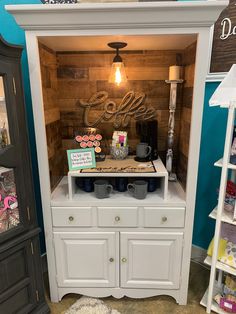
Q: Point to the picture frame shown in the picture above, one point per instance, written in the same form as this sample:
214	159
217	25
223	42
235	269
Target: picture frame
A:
81	159
222	48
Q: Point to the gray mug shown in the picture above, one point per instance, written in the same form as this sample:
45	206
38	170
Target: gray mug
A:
102	188
138	189
143	150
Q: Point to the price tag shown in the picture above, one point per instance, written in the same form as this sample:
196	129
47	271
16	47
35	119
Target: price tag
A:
81	159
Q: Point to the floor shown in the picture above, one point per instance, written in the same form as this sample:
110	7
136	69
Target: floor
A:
157	305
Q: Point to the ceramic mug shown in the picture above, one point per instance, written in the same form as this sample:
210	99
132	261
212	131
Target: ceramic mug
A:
138	189
152	184
143	150
88	184
102	188
121	184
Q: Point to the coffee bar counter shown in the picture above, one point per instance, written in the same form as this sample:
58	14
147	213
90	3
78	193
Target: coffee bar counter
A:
118	245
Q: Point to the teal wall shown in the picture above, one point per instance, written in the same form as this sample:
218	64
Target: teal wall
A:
214	121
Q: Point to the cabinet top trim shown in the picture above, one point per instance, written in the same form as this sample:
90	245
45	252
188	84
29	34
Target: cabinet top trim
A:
117	15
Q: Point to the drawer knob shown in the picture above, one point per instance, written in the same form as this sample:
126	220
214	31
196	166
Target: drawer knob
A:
117	218
71	218
124	260
164	219
111	259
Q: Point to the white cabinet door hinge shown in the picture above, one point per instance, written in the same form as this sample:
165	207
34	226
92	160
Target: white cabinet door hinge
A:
14	85
32	248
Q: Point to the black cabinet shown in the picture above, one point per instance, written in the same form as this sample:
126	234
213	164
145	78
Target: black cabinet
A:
21	281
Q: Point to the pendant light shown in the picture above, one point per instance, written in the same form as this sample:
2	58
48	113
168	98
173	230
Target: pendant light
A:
117	74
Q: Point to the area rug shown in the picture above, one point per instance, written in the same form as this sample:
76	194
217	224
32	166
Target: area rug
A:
87	305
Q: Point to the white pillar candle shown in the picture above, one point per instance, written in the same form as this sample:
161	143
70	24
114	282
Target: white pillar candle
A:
174	72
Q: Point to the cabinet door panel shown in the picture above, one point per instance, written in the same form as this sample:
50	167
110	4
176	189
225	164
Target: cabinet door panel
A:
151	260
17	284
86	259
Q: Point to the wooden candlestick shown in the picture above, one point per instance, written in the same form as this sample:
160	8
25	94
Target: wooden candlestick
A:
171	126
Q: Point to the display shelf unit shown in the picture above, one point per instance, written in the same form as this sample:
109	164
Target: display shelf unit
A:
214	306
160	172
221	266
220	216
219	163
91	249
225	217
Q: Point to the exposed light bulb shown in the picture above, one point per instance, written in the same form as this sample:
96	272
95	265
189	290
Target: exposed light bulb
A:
118	76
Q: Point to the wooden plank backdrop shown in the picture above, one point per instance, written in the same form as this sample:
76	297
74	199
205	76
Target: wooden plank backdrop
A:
69	77
48	63
223	52
186	113
82	74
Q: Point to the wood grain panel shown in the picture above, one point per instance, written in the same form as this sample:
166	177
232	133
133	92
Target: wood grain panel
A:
48	64
185	119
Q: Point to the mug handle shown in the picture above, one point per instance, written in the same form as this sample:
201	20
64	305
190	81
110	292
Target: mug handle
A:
149	149
130	188
109	188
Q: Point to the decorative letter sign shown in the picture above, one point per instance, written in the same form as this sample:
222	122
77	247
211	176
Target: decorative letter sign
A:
81	159
223	51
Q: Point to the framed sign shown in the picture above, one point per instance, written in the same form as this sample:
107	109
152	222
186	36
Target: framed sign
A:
81	158
223	43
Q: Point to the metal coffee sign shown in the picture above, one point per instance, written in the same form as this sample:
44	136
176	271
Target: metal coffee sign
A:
223	46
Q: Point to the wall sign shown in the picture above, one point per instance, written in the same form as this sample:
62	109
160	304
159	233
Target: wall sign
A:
81	159
223	43
131	107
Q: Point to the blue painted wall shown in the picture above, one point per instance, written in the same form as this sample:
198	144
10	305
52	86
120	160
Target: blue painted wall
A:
214	121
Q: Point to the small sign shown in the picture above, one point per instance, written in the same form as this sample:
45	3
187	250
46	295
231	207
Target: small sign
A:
81	158
223	47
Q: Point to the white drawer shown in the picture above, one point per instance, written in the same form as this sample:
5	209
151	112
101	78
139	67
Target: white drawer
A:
164	217
117	217
72	216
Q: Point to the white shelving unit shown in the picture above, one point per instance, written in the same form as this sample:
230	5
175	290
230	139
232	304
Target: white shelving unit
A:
225	217
221	266
214	307
160	172
218	213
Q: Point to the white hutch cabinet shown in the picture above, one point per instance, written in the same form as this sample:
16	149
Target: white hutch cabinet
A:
118	246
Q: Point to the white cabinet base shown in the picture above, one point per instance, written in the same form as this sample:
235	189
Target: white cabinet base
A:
120	293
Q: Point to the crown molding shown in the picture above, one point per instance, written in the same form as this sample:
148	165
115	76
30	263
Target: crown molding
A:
117	15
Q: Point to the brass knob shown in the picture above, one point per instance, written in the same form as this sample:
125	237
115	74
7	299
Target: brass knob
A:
124	260
164	219
111	259
117	218
71	218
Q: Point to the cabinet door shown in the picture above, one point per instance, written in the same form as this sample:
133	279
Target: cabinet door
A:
86	259
150	260
16	192
17	279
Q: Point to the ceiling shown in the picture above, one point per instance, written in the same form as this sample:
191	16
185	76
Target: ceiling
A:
99	43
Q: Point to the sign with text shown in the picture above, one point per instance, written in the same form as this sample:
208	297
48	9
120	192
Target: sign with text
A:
223	50
81	159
